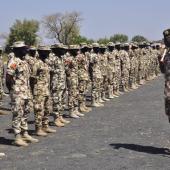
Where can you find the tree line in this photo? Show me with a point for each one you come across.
(60, 27)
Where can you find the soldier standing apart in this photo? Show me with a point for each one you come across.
(165, 69)
(1, 75)
(58, 83)
(42, 99)
(17, 78)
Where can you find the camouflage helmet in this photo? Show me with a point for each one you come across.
(18, 44)
(43, 48)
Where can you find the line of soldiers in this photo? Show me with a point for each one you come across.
(47, 79)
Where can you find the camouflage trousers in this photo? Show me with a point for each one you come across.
(117, 80)
(125, 78)
(141, 74)
(96, 88)
(58, 92)
(82, 90)
(73, 93)
(1, 87)
(111, 78)
(167, 97)
(20, 108)
(42, 110)
(104, 85)
(132, 77)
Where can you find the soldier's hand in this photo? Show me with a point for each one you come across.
(9, 81)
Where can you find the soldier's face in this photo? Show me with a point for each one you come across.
(32, 53)
(74, 52)
(43, 54)
(59, 51)
(111, 48)
(102, 50)
(96, 50)
(84, 50)
(20, 52)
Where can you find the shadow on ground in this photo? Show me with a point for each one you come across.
(140, 148)
(4, 141)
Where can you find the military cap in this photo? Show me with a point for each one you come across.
(83, 45)
(95, 44)
(18, 44)
(33, 48)
(44, 48)
(110, 44)
(102, 46)
(90, 46)
(74, 47)
(59, 45)
(126, 44)
(117, 44)
(1, 49)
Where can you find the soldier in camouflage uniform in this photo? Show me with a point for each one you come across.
(58, 83)
(1, 75)
(111, 69)
(17, 78)
(165, 69)
(104, 72)
(124, 67)
(96, 76)
(71, 67)
(141, 58)
(117, 81)
(132, 77)
(83, 77)
(42, 98)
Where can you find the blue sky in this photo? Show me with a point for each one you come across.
(100, 17)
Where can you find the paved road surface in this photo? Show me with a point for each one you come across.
(130, 133)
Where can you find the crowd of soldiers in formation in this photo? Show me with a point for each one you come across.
(45, 80)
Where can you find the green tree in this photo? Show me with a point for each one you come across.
(81, 39)
(119, 38)
(103, 41)
(139, 38)
(25, 30)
